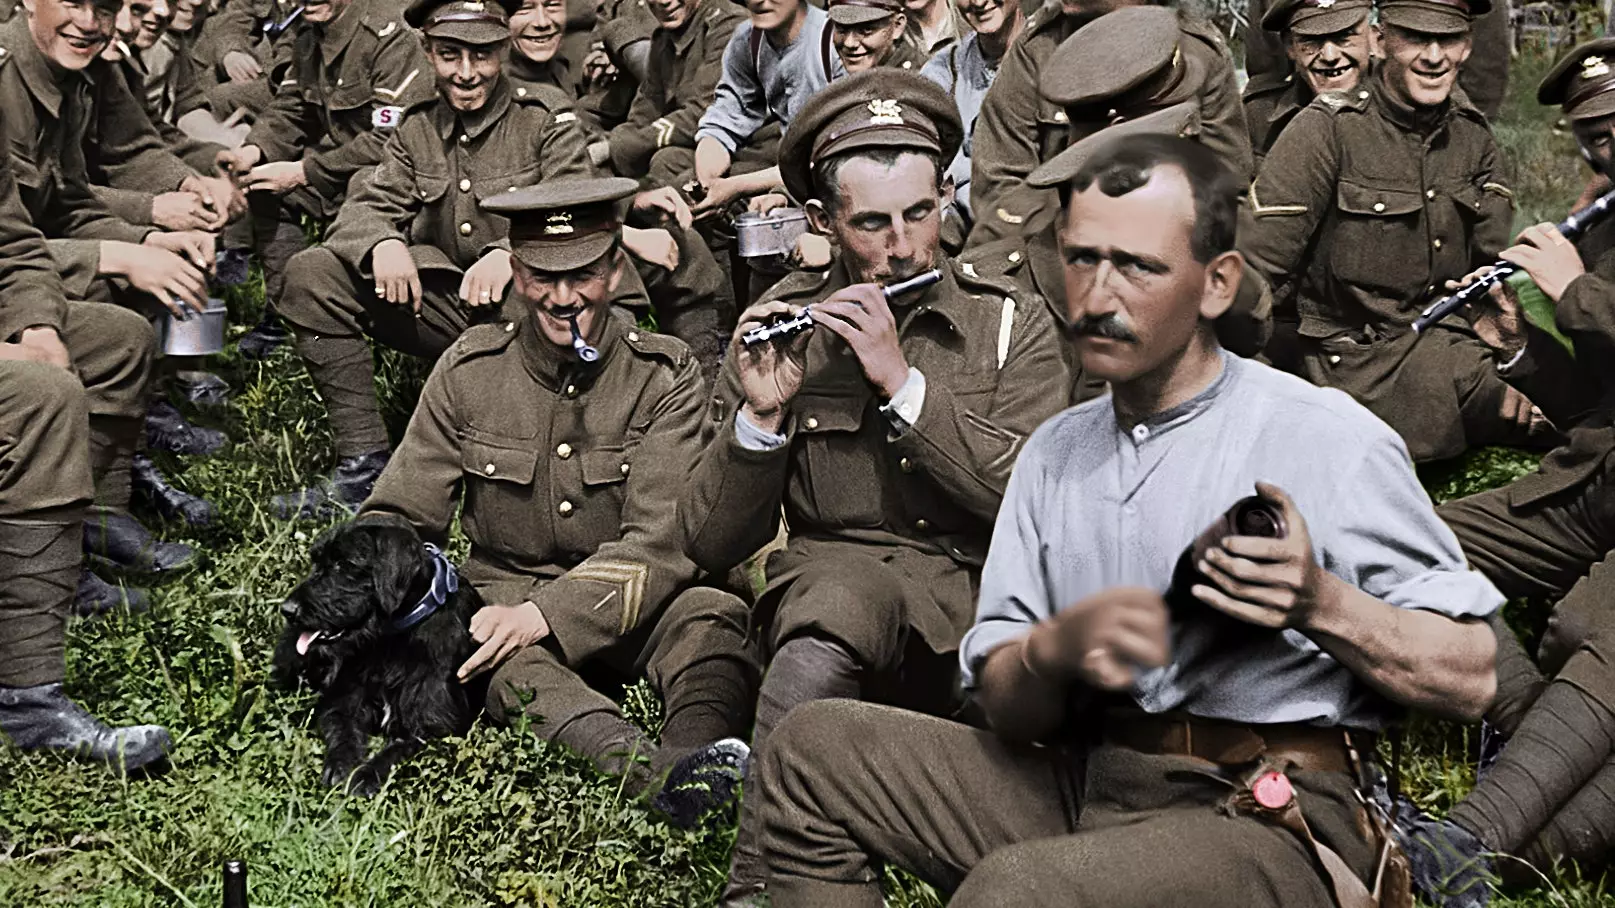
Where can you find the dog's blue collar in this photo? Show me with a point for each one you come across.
(445, 583)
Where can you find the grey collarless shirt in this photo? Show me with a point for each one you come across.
(1094, 505)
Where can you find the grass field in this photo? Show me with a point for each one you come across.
(494, 819)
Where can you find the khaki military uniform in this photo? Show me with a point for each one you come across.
(343, 88)
(569, 475)
(434, 171)
(1270, 104)
(680, 80)
(887, 535)
(1018, 128)
(1368, 218)
(250, 26)
(1549, 537)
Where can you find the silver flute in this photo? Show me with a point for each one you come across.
(585, 352)
(799, 323)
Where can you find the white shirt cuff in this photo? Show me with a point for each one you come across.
(903, 410)
(754, 438)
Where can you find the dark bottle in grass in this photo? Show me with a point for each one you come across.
(235, 884)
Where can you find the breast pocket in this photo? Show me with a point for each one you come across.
(844, 479)
(488, 186)
(1379, 239)
(500, 511)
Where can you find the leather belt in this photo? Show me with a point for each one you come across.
(1309, 748)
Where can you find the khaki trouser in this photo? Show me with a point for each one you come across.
(700, 635)
(114, 353)
(44, 486)
(844, 787)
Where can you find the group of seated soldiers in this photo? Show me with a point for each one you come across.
(496, 187)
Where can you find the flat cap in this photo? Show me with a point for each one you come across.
(882, 108)
(1315, 17)
(1582, 83)
(1435, 17)
(1182, 120)
(1119, 54)
(857, 12)
(474, 22)
(563, 225)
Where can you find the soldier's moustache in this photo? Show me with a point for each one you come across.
(1112, 325)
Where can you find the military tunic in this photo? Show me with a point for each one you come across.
(1271, 102)
(1368, 216)
(569, 476)
(680, 80)
(254, 27)
(348, 84)
(923, 503)
(1018, 128)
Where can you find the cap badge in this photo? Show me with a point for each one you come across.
(1594, 67)
(558, 224)
(886, 113)
(1325, 4)
(474, 6)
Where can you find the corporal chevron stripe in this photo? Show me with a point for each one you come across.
(628, 576)
(1263, 211)
(664, 132)
(395, 92)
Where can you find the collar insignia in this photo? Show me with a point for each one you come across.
(558, 225)
(885, 113)
(1594, 67)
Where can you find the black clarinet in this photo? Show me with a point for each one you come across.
(1572, 228)
(585, 352)
(797, 324)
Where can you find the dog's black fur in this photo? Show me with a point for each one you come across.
(401, 685)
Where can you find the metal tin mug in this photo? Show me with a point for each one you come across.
(200, 335)
(771, 234)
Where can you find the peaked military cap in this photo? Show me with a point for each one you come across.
(474, 22)
(1436, 17)
(1130, 53)
(882, 108)
(1582, 83)
(565, 224)
(1180, 120)
(1315, 17)
(857, 12)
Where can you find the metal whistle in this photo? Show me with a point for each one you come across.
(799, 323)
(585, 352)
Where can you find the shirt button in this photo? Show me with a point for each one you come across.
(563, 450)
(1429, 193)
(1141, 432)
(1334, 359)
(489, 469)
(906, 465)
(921, 525)
(465, 229)
(812, 422)
(1379, 206)
(465, 185)
(564, 508)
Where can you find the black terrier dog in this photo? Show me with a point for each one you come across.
(379, 629)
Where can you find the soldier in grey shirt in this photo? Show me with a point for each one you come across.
(1203, 747)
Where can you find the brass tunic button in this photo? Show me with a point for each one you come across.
(633, 335)
(465, 229)
(564, 508)
(510, 326)
(906, 465)
(921, 525)
(1379, 206)
(489, 469)
(563, 450)
(1436, 242)
(1334, 359)
(1362, 96)
(625, 469)
(464, 139)
(1429, 193)
(521, 92)
(339, 81)
(571, 391)
(465, 185)
(812, 422)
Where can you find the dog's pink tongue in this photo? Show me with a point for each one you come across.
(304, 640)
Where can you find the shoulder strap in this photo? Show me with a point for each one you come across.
(824, 52)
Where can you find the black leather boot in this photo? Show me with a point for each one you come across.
(345, 489)
(1451, 867)
(204, 389)
(168, 430)
(97, 597)
(153, 491)
(119, 539)
(269, 333)
(232, 267)
(703, 782)
(43, 718)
